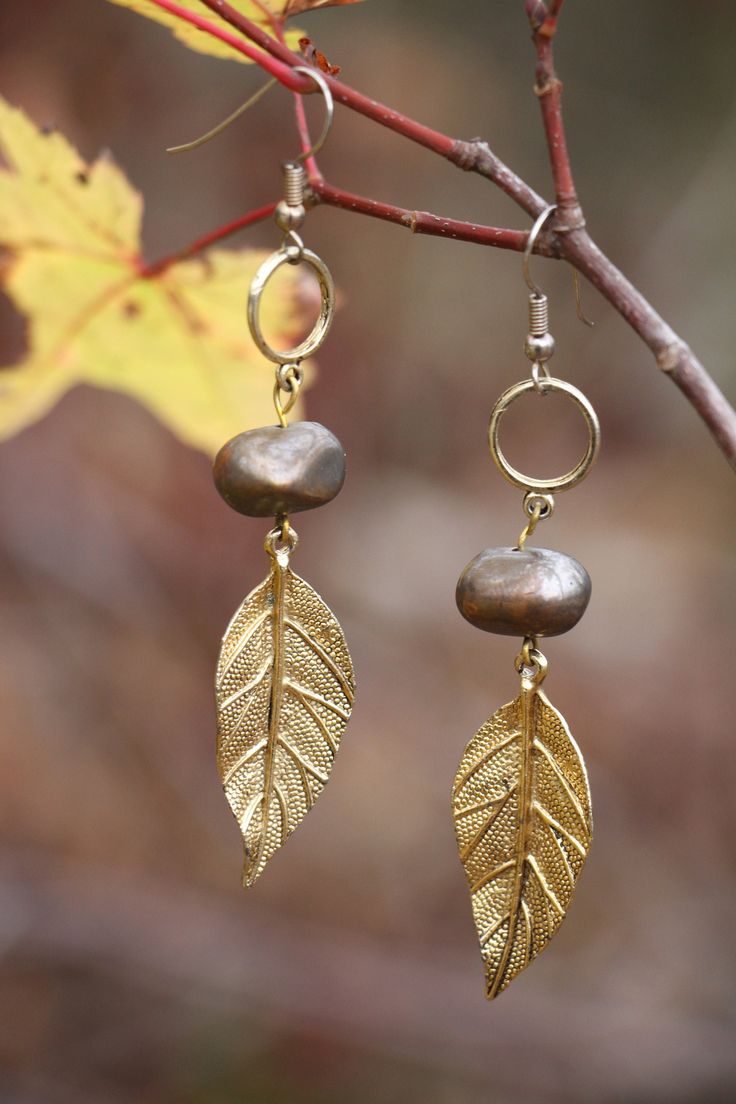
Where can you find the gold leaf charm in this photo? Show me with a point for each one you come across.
(521, 806)
(285, 688)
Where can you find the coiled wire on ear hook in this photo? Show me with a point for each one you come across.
(290, 212)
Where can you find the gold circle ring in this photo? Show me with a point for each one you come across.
(544, 386)
(314, 340)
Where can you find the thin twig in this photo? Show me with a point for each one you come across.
(424, 222)
(271, 65)
(672, 354)
(148, 271)
(571, 241)
(418, 222)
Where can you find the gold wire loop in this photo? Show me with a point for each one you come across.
(537, 507)
(529, 643)
(324, 88)
(282, 521)
(530, 526)
(546, 503)
(545, 385)
(288, 381)
(530, 663)
(289, 376)
(281, 541)
(314, 340)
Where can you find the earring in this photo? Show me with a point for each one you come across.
(285, 683)
(521, 802)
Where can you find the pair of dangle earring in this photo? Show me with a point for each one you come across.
(521, 801)
(284, 684)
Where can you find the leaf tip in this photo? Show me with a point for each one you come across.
(251, 870)
(494, 984)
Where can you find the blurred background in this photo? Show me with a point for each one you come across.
(134, 967)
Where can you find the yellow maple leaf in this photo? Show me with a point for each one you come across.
(204, 43)
(177, 342)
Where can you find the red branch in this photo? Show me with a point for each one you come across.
(463, 154)
(275, 68)
(549, 90)
(148, 271)
(672, 354)
(548, 26)
(419, 222)
(567, 238)
(423, 222)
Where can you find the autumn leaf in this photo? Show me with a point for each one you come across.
(177, 341)
(296, 7)
(316, 57)
(207, 44)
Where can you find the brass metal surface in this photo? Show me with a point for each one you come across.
(521, 807)
(272, 470)
(288, 382)
(537, 507)
(314, 340)
(523, 592)
(544, 385)
(284, 689)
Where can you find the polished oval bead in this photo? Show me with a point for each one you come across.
(523, 592)
(280, 470)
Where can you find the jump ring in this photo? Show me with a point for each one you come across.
(282, 409)
(545, 502)
(556, 483)
(530, 663)
(534, 518)
(289, 376)
(281, 539)
(314, 340)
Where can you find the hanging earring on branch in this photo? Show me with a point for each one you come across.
(285, 683)
(521, 803)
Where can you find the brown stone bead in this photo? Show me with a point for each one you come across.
(280, 470)
(523, 592)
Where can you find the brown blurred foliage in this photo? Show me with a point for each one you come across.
(134, 967)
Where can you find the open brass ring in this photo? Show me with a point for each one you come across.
(282, 539)
(559, 482)
(314, 340)
(531, 664)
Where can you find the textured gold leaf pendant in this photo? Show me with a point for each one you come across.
(521, 807)
(285, 689)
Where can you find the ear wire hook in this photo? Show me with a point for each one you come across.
(530, 243)
(225, 122)
(324, 88)
(526, 266)
(579, 300)
(252, 100)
